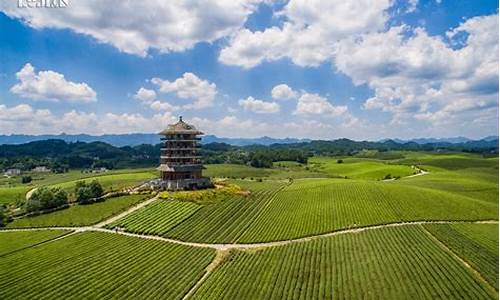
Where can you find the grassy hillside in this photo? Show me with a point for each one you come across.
(80, 215)
(11, 189)
(359, 168)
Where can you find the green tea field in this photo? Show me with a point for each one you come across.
(405, 225)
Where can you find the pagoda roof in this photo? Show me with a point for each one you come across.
(180, 127)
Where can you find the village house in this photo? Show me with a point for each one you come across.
(41, 169)
(12, 172)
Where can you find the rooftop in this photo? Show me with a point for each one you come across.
(180, 127)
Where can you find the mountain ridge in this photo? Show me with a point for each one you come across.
(134, 139)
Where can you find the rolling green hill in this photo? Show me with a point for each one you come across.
(321, 230)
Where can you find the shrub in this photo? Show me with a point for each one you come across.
(46, 198)
(26, 179)
(339, 161)
(388, 176)
(87, 193)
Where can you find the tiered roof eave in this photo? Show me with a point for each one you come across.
(181, 128)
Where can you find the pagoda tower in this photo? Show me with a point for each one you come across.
(180, 165)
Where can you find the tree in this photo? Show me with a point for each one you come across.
(60, 197)
(96, 189)
(78, 185)
(26, 179)
(3, 216)
(86, 193)
(46, 198)
(32, 204)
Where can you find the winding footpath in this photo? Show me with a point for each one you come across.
(224, 247)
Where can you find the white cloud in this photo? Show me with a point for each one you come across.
(412, 6)
(317, 105)
(259, 106)
(309, 33)
(145, 95)
(189, 86)
(239, 127)
(418, 76)
(21, 112)
(24, 119)
(137, 26)
(50, 85)
(163, 106)
(148, 97)
(283, 92)
(311, 129)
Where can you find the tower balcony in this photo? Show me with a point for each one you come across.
(180, 156)
(169, 139)
(179, 149)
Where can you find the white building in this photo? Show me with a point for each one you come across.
(12, 172)
(41, 169)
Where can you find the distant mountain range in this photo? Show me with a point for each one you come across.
(452, 140)
(265, 140)
(120, 140)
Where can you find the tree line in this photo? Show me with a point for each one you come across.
(61, 156)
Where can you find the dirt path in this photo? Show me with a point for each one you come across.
(30, 192)
(224, 247)
(219, 258)
(422, 172)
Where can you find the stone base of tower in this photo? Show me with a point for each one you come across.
(176, 185)
(186, 184)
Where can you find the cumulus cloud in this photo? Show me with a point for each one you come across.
(148, 97)
(163, 106)
(50, 85)
(415, 75)
(21, 112)
(145, 95)
(24, 119)
(316, 105)
(259, 106)
(304, 128)
(309, 33)
(135, 27)
(283, 92)
(189, 86)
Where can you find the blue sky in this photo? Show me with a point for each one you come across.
(247, 68)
